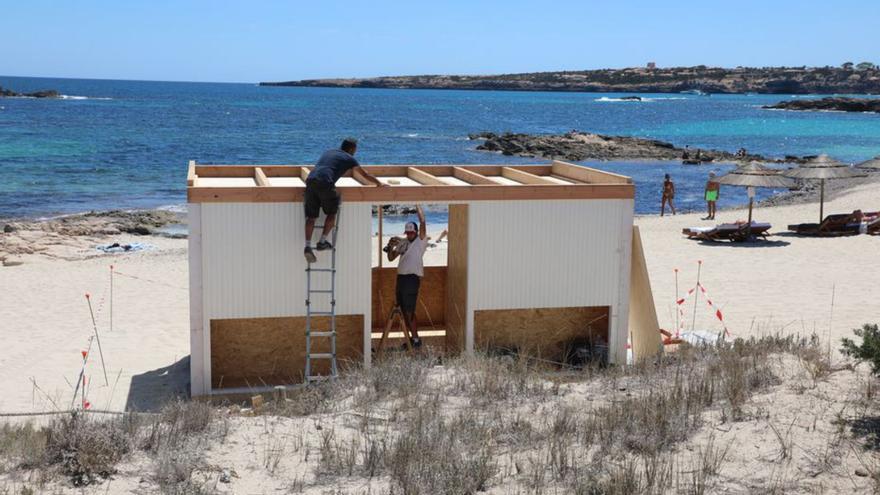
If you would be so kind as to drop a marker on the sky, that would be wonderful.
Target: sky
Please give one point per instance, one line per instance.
(276, 40)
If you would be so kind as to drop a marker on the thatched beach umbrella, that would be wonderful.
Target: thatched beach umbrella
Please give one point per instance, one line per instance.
(823, 167)
(754, 174)
(872, 165)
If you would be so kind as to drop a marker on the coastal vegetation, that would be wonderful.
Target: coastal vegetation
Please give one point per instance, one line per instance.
(863, 78)
(484, 423)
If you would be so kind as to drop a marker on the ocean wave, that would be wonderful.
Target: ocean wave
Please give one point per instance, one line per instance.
(642, 99)
(176, 208)
(75, 97)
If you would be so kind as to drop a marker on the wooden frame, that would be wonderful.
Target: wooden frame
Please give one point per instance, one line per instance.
(532, 183)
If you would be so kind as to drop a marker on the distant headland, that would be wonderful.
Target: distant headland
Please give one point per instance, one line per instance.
(863, 78)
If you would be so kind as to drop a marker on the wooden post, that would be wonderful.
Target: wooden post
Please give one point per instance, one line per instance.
(380, 235)
(821, 200)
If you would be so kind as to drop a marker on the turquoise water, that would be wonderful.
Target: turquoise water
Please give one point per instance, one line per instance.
(126, 143)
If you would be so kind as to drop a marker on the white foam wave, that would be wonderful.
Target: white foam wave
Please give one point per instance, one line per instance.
(75, 97)
(642, 99)
(178, 208)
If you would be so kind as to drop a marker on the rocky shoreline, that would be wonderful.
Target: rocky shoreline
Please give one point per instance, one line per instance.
(48, 93)
(578, 146)
(55, 237)
(703, 79)
(838, 104)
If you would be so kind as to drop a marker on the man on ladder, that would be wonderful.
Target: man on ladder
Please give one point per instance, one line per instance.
(321, 191)
(410, 270)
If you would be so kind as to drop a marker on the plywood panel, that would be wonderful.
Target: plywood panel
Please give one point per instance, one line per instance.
(432, 297)
(271, 351)
(643, 324)
(457, 279)
(544, 332)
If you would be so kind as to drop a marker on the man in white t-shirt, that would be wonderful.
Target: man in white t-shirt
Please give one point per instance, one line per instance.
(410, 270)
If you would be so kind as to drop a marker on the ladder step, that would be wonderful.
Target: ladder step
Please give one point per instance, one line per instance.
(321, 355)
(322, 291)
(321, 313)
(318, 378)
(322, 334)
(320, 269)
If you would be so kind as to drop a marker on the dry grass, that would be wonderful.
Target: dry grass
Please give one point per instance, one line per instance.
(507, 424)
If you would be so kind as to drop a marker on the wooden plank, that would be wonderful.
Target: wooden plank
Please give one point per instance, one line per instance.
(304, 173)
(191, 174)
(385, 195)
(457, 280)
(524, 177)
(431, 305)
(587, 174)
(260, 177)
(471, 177)
(271, 351)
(548, 333)
(643, 324)
(423, 177)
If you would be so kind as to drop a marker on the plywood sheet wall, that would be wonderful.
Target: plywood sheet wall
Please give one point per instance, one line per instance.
(543, 332)
(272, 351)
(431, 306)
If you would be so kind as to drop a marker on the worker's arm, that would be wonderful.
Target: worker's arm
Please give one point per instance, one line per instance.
(423, 225)
(368, 177)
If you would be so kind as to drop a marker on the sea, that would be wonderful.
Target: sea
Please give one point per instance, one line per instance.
(110, 144)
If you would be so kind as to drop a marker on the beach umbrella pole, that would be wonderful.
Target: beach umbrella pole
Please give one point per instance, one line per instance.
(821, 200)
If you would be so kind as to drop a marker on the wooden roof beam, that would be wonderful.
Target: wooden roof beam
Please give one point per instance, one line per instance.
(260, 177)
(587, 174)
(524, 177)
(423, 177)
(191, 174)
(472, 177)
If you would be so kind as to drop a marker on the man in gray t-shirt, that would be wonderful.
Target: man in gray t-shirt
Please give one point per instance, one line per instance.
(410, 270)
(321, 191)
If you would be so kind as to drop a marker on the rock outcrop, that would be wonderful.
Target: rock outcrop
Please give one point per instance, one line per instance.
(577, 146)
(48, 93)
(840, 104)
(772, 80)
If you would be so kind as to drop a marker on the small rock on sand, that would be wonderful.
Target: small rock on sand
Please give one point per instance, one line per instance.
(12, 262)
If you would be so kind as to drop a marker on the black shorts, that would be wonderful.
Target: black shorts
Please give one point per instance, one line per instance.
(320, 196)
(408, 292)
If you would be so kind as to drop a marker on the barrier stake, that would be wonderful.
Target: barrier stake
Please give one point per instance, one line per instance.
(111, 298)
(82, 371)
(101, 352)
(696, 295)
(677, 318)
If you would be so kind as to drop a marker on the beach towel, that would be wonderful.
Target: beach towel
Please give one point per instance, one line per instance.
(121, 248)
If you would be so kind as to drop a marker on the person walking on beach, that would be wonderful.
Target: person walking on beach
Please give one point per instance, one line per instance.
(321, 191)
(410, 270)
(668, 195)
(712, 190)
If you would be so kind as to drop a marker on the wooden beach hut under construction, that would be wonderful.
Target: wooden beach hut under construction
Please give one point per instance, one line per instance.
(540, 258)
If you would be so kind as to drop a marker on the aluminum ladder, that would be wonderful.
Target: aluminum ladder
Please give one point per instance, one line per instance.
(331, 312)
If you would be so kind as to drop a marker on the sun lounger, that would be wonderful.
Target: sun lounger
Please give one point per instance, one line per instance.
(874, 226)
(737, 232)
(833, 225)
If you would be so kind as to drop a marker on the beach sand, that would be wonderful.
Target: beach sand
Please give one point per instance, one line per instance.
(783, 285)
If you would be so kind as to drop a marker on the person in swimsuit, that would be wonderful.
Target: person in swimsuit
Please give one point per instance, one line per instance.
(712, 190)
(668, 195)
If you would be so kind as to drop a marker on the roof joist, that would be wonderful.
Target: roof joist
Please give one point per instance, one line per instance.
(423, 183)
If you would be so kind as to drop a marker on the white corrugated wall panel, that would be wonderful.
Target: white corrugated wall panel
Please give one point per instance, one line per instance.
(254, 267)
(535, 254)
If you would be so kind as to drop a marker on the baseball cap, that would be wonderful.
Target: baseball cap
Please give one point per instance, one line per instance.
(410, 227)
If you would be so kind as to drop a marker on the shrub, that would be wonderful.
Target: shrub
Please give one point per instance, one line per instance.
(869, 350)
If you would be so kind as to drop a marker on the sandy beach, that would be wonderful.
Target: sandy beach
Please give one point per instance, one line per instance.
(785, 285)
